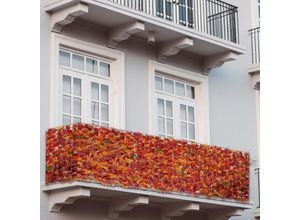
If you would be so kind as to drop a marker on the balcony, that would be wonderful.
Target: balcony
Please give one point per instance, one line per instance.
(208, 29)
(129, 169)
(255, 50)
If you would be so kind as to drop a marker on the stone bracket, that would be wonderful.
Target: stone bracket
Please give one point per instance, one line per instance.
(217, 60)
(58, 199)
(177, 209)
(127, 203)
(66, 16)
(123, 32)
(173, 47)
(224, 214)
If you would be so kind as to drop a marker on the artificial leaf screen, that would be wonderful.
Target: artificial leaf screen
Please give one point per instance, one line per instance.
(83, 152)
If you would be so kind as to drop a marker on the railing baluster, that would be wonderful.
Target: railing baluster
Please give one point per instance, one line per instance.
(255, 45)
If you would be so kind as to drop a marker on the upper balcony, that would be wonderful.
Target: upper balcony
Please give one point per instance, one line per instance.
(128, 169)
(255, 50)
(208, 29)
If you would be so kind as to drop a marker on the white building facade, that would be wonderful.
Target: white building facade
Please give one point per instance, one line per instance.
(183, 69)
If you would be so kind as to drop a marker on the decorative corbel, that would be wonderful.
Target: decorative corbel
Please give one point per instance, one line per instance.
(121, 204)
(177, 209)
(66, 16)
(217, 60)
(224, 214)
(172, 48)
(123, 32)
(58, 199)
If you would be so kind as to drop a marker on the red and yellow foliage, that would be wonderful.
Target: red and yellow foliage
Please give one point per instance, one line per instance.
(111, 157)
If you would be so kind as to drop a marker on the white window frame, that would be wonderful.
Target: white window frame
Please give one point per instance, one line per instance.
(201, 97)
(117, 77)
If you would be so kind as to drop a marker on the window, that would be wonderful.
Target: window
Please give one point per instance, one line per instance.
(178, 103)
(181, 11)
(175, 108)
(85, 88)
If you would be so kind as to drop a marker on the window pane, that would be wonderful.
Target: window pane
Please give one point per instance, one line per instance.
(76, 120)
(104, 93)
(183, 128)
(104, 112)
(76, 106)
(158, 83)
(180, 89)
(104, 69)
(67, 104)
(191, 131)
(190, 92)
(64, 58)
(77, 87)
(191, 114)
(77, 62)
(161, 125)
(169, 108)
(95, 122)
(183, 112)
(95, 91)
(66, 120)
(67, 84)
(91, 66)
(95, 110)
(170, 126)
(161, 109)
(104, 124)
(169, 86)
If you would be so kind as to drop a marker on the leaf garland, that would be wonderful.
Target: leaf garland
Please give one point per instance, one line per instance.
(84, 152)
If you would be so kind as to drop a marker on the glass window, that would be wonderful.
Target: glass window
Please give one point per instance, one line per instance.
(104, 93)
(169, 86)
(180, 89)
(67, 104)
(95, 110)
(158, 83)
(67, 84)
(175, 108)
(95, 91)
(77, 62)
(91, 66)
(64, 58)
(104, 112)
(77, 87)
(104, 69)
(190, 92)
(161, 108)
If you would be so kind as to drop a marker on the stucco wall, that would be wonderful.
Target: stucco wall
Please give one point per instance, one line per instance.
(231, 98)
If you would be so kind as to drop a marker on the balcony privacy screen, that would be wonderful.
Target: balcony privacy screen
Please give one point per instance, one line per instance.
(111, 157)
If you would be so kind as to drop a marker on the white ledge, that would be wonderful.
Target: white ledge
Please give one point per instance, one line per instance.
(175, 196)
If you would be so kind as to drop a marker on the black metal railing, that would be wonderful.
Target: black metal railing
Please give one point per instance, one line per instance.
(255, 45)
(257, 172)
(214, 17)
(222, 19)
